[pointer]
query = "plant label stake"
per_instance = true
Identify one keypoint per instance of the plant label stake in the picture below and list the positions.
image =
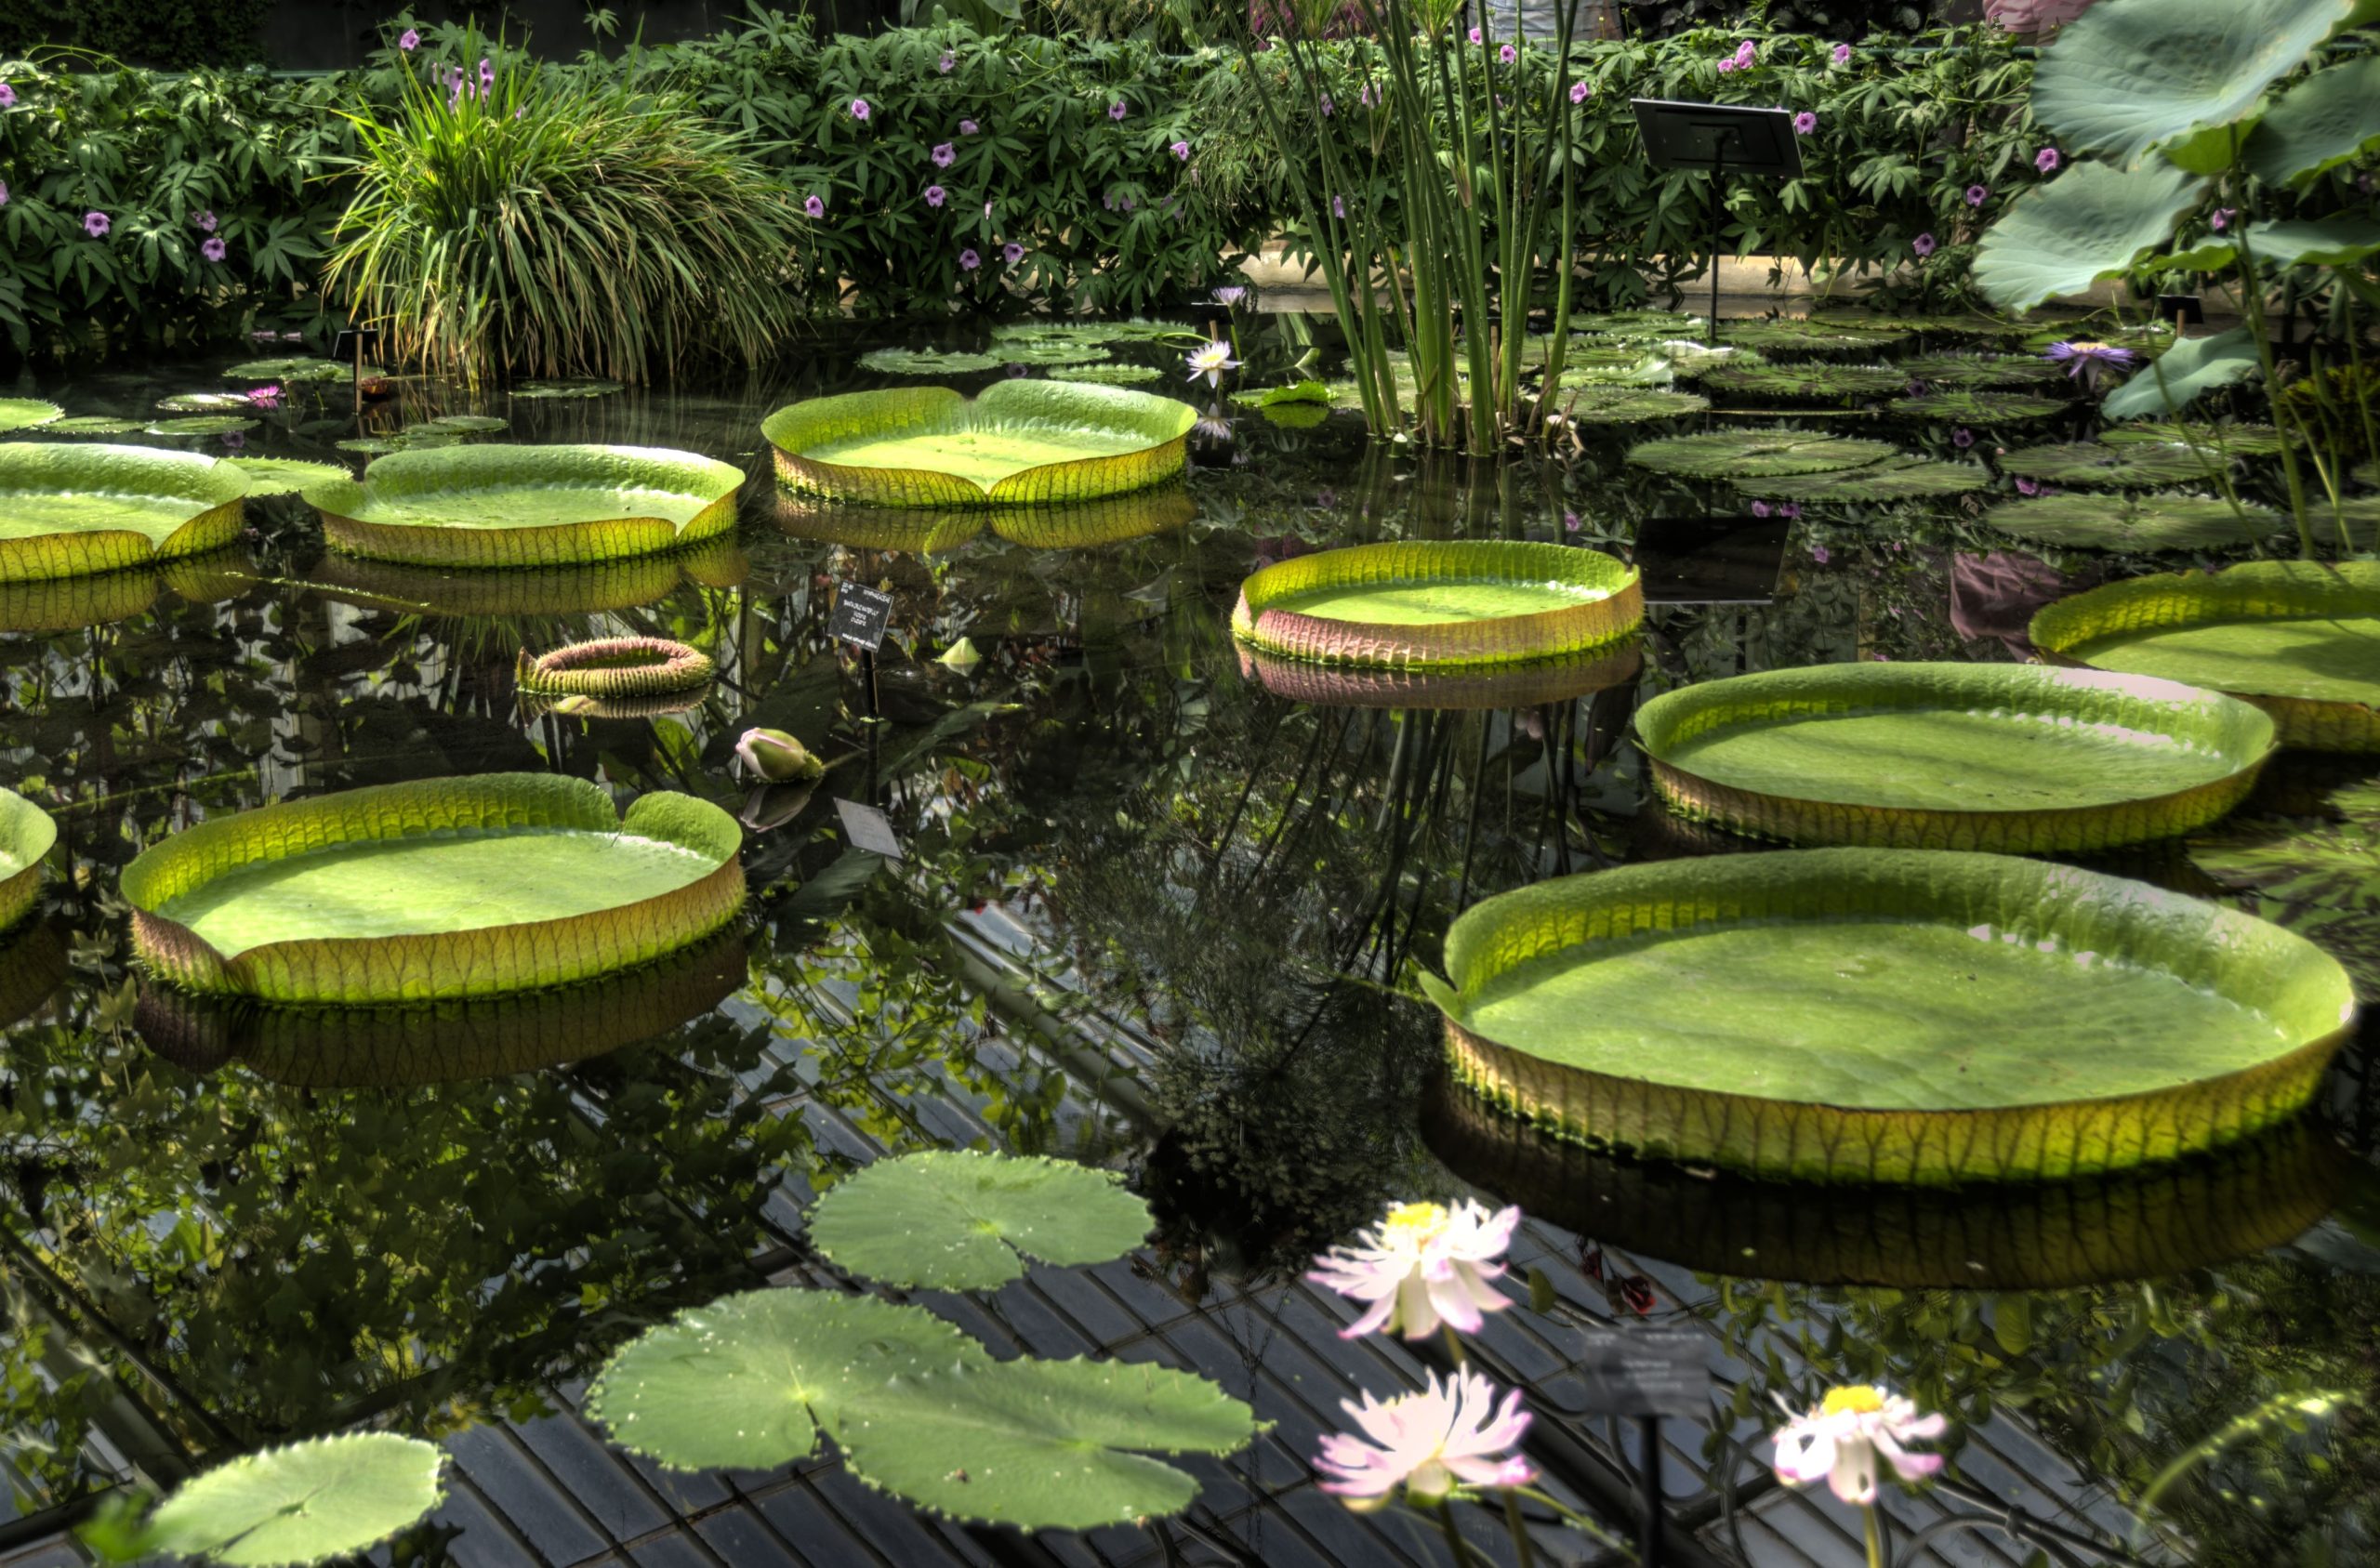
(860, 618)
(1725, 139)
(351, 345)
(1647, 1373)
(867, 828)
(2182, 309)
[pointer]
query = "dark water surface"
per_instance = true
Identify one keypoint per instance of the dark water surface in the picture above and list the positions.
(1150, 914)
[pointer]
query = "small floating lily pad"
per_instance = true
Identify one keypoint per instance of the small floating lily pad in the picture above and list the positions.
(2132, 522)
(283, 476)
(307, 1503)
(201, 403)
(616, 667)
(2011, 758)
(1979, 408)
(71, 508)
(2238, 440)
(297, 370)
(371, 446)
(1980, 370)
(468, 423)
(1628, 405)
(18, 413)
(202, 425)
(2143, 465)
(1801, 338)
(1887, 1015)
(1108, 375)
(1050, 351)
(927, 362)
(94, 425)
(1804, 380)
(1940, 326)
(1740, 455)
(563, 389)
(1635, 323)
(951, 1219)
(1895, 479)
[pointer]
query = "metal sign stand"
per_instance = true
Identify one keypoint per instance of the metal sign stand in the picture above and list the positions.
(1726, 138)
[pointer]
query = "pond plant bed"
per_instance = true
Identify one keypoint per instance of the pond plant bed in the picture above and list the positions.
(70, 510)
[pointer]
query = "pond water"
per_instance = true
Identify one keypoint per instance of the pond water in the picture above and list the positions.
(1149, 914)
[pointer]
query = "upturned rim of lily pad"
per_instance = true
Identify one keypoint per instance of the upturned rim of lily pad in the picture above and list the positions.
(586, 588)
(1152, 434)
(707, 486)
(1615, 612)
(432, 966)
(56, 604)
(27, 834)
(212, 493)
(1446, 691)
(2301, 989)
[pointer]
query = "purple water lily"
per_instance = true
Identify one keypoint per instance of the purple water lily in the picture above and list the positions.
(945, 154)
(1230, 295)
(2089, 362)
(1923, 245)
(815, 205)
(935, 195)
(1805, 123)
(96, 224)
(213, 250)
(968, 260)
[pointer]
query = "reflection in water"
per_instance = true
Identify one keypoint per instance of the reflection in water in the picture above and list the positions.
(934, 530)
(548, 590)
(1501, 686)
(55, 604)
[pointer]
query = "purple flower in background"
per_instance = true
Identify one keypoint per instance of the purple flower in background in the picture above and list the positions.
(1569, 523)
(1364, 98)
(1329, 108)
(1117, 111)
(2088, 362)
(1805, 123)
(947, 63)
(1727, 65)
(7, 96)
(1508, 53)
(1338, 206)
(945, 154)
(1978, 194)
(1579, 91)
(408, 40)
(2028, 487)
(1182, 150)
(1820, 554)
(970, 260)
(860, 110)
(213, 250)
(96, 224)
(2222, 219)
(487, 74)
(1842, 54)
(1923, 245)
(2046, 159)
(235, 440)
(966, 128)
(1474, 35)
(1963, 437)
(1745, 55)
(206, 222)
(1790, 510)
(1762, 508)
(1011, 253)
(815, 205)
(934, 195)
(4, 192)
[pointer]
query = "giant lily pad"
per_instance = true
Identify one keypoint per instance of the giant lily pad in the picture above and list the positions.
(1832, 382)
(296, 369)
(307, 1503)
(585, 589)
(2299, 639)
(27, 834)
(1108, 375)
(528, 506)
(71, 508)
(1021, 441)
(1886, 1016)
(93, 425)
(926, 362)
(1979, 370)
(1498, 686)
(1628, 405)
(2138, 465)
(1979, 408)
(1414, 605)
(1741, 455)
(1895, 479)
(17, 414)
(2015, 759)
(2233, 441)
(952, 1219)
(445, 888)
(2089, 223)
(1787, 335)
(44, 605)
(2127, 522)
(283, 476)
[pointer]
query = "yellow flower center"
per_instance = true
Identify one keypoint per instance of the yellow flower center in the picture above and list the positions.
(1414, 1224)
(1861, 1399)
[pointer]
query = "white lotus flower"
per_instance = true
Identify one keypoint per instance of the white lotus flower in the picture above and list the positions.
(1840, 1441)
(1211, 359)
(1446, 1437)
(1424, 1263)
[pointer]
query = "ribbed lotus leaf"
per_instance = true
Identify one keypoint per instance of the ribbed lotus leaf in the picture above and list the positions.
(1789, 337)
(1834, 383)
(953, 1219)
(2300, 640)
(1979, 370)
(1746, 454)
(27, 834)
(2149, 1222)
(296, 370)
(445, 1042)
(1977, 408)
(307, 1503)
(1628, 405)
(1895, 479)
(927, 362)
(1915, 1017)
(2006, 759)
(18, 413)
(71, 508)
(528, 506)
(2236, 440)
(1020, 442)
(433, 891)
(2133, 522)
(1414, 605)
(1498, 686)
(616, 667)
(2141, 465)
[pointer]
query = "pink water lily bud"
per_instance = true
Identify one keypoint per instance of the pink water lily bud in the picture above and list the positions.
(777, 757)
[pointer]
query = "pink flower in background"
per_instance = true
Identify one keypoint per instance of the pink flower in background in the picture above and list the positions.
(267, 396)
(2221, 218)
(1117, 111)
(968, 260)
(1805, 123)
(966, 128)
(1569, 523)
(7, 96)
(1432, 1443)
(814, 205)
(1923, 245)
(1011, 253)
(1820, 554)
(96, 224)
(947, 63)
(408, 40)
(1787, 510)
(934, 195)
(860, 110)
(213, 249)
(1978, 194)
(987, 211)
(2033, 16)
(1727, 65)
(1746, 53)
(4, 192)
(2028, 487)
(1474, 35)
(1508, 53)
(487, 74)
(1841, 1439)
(1579, 91)
(1424, 1264)
(206, 222)
(1180, 149)
(1338, 206)
(1842, 54)
(2046, 159)
(1762, 508)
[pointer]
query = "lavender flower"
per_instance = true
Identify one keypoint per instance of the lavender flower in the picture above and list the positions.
(1338, 206)
(860, 110)
(408, 40)
(1579, 91)
(1569, 523)
(814, 205)
(947, 63)
(2088, 362)
(1963, 437)
(1727, 65)
(1011, 253)
(1923, 245)
(1746, 53)
(1182, 150)
(2222, 218)
(213, 250)
(1762, 508)
(1432, 1443)
(1117, 111)
(934, 195)
(1842, 54)
(96, 224)
(945, 154)
(4, 192)
(968, 260)
(1474, 35)
(206, 222)
(1978, 194)
(1230, 295)
(1820, 554)
(2046, 159)
(7, 96)
(1787, 510)
(1805, 123)
(487, 74)
(2028, 487)
(1329, 108)
(966, 128)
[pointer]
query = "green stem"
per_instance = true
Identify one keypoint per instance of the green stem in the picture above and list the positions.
(1522, 1547)
(1454, 1345)
(1454, 1536)
(1875, 1536)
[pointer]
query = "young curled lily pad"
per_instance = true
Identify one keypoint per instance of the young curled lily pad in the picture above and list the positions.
(18, 413)
(202, 425)
(1895, 479)
(1628, 405)
(955, 1221)
(1979, 408)
(307, 1503)
(2144, 466)
(614, 668)
(2126, 523)
(926, 362)
(1731, 455)
(1838, 382)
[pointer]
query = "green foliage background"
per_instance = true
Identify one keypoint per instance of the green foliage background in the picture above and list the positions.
(168, 34)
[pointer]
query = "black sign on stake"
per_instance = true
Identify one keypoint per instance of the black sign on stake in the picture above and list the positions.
(1647, 1373)
(861, 617)
(866, 828)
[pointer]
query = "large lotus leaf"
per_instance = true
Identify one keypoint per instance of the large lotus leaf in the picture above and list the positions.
(2322, 121)
(27, 834)
(2236, 440)
(17, 414)
(927, 362)
(1887, 1015)
(283, 476)
(2123, 522)
(1042, 1444)
(2141, 465)
(433, 889)
(957, 1220)
(2091, 222)
(2340, 239)
(528, 506)
(1022, 443)
(1895, 479)
(2131, 74)
(1979, 370)
(1837, 382)
(1741, 455)
(748, 1382)
(69, 508)
(2190, 367)
(1628, 405)
(1979, 408)
(307, 1503)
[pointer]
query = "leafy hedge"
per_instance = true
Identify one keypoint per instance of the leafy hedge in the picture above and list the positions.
(1104, 210)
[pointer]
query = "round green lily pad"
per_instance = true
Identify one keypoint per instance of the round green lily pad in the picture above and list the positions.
(2012, 758)
(1635, 323)
(439, 888)
(282, 476)
(93, 425)
(202, 425)
(563, 389)
(1412, 605)
(1628, 405)
(1895, 479)
(2238, 440)
(17, 414)
(371, 446)
(296, 370)
(1887, 1015)
(202, 403)
(1023, 442)
(68, 508)
(927, 362)
(528, 506)
(307, 1503)
(2140, 466)
(1740, 455)
(1786, 335)
(2297, 638)
(1979, 370)
(468, 423)
(952, 1219)
(1977, 408)
(2132, 522)
(1815, 381)
(1108, 375)
(1050, 351)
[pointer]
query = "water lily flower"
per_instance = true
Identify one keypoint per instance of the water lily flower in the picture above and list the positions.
(1923, 245)
(1579, 91)
(1230, 295)
(96, 224)
(1180, 149)
(777, 757)
(947, 63)
(2089, 362)
(860, 110)
(1842, 54)
(1432, 1443)
(2221, 218)
(1211, 359)
(968, 260)
(1963, 437)
(1421, 1264)
(409, 40)
(1840, 1441)
(966, 128)
(934, 195)
(814, 205)
(1117, 111)
(1805, 123)
(1978, 194)
(269, 395)
(1508, 53)
(2045, 160)
(945, 154)
(214, 250)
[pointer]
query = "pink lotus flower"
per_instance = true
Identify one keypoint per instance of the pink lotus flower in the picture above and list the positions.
(214, 250)
(968, 260)
(96, 224)
(1805, 123)
(1180, 149)
(777, 757)
(1842, 54)
(934, 195)
(267, 396)
(408, 40)
(1432, 1443)
(814, 205)
(1117, 111)
(1840, 1441)
(860, 110)
(1579, 91)
(966, 128)
(1923, 245)
(1978, 194)
(1424, 1263)
(944, 154)
(2046, 159)
(947, 63)
(1011, 253)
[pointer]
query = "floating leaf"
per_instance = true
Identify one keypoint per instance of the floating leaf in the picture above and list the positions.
(565, 389)
(2328, 119)
(283, 476)
(2141, 465)
(2089, 223)
(199, 403)
(926, 362)
(2239, 441)
(1979, 370)
(69, 509)
(1294, 415)
(468, 423)
(1733, 454)
(303, 1503)
(1628, 405)
(1977, 408)
(18, 413)
(1801, 337)
(1050, 351)
(2123, 522)
(1308, 390)
(297, 370)
(372, 446)
(202, 425)
(93, 425)
(1108, 375)
(1635, 323)
(1895, 479)
(955, 1221)
(1947, 326)
(1838, 382)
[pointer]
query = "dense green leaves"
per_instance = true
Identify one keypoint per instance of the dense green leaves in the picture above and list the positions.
(955, 1221)
(2091, 222)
